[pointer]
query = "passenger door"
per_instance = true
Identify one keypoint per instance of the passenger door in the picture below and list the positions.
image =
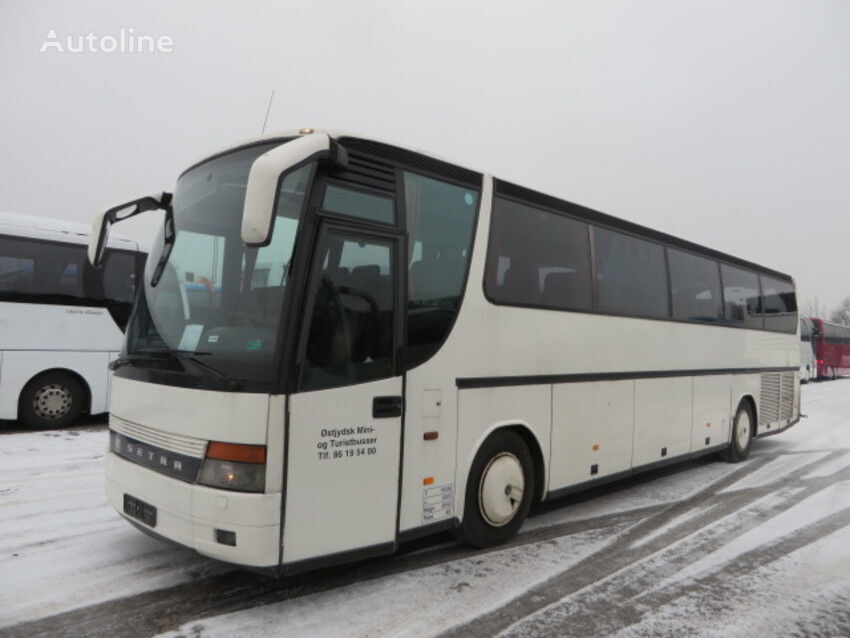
(344, 427)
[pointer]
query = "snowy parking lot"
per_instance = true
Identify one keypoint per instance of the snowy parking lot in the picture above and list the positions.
(699, 548)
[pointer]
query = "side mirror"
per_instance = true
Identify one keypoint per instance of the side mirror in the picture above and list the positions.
(265, 176)
(100, 225)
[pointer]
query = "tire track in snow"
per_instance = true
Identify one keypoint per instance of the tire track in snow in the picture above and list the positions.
(628, 553)
(606, 609)
(164, 609)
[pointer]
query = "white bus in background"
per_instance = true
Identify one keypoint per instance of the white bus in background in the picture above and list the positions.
(808, 365)
(61, 321)
(386, 345)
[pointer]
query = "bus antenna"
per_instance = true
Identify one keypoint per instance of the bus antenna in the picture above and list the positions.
(268, 110)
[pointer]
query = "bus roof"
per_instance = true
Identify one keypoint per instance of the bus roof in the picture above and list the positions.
(49, 228)
(416, 158)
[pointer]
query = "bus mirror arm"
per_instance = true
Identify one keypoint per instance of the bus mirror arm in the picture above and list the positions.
(266, 176)
(100, 225)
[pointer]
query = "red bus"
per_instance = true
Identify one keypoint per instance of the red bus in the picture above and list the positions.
(832, 348)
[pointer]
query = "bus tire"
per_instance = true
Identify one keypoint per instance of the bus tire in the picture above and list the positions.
(499, 490)
(51, 400)
(743, 431)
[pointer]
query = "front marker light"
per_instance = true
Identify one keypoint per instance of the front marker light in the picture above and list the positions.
(233, 466)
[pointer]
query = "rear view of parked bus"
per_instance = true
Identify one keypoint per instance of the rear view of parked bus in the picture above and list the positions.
(832, 349)
(385, 345)
(61, 321)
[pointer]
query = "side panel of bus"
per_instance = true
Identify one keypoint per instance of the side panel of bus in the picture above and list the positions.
(41, 337)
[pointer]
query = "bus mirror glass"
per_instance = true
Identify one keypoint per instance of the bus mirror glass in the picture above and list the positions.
(266, 174)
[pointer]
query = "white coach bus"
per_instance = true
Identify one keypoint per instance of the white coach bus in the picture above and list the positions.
(397, 345)
(61, 321)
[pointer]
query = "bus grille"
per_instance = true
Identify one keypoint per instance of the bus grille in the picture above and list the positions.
(771, 383)
(187, 445)
(786, 405)
(776, 402)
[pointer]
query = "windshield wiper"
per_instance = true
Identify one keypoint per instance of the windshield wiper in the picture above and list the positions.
(130, 359)
(230, 382)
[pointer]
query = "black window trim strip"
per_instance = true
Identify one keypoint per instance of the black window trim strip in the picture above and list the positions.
(467, 383)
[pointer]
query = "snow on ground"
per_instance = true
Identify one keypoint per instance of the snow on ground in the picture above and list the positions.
(420, 602)
(782, 466)
(666, 489)
(805, 593)
(61, 546)
(708, 549)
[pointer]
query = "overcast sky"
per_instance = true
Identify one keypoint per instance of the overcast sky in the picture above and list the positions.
(726, 123)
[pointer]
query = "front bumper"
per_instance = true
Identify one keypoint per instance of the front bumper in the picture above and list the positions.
(188, 514)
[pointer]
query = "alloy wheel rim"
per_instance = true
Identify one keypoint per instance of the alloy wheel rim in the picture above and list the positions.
(52, 401)
(500, 489)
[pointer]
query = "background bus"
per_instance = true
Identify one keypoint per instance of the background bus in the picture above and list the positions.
(391, 345)
(832, 348)
(808, 365)
(61, 321)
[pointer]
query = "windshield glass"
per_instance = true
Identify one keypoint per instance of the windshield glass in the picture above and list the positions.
(218, 301)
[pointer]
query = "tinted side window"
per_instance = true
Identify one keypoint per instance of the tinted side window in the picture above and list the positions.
(119, 284)
(119, 276)
(16, 273)
(836, 334)
(350, 338)
(538, 258)
(695, 287)
(42, 272)
(631, 275)
(440, 217)
(779, 305)
(357, 203)
(741, 297)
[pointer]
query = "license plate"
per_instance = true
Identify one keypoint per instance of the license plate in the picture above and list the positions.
(141, 511)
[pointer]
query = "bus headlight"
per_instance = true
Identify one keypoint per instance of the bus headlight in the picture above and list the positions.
(232, 466)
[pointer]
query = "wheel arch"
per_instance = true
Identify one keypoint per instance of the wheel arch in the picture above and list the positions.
(529, 437)
(84, 384)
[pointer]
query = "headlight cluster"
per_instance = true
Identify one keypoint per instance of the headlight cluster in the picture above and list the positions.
(232, 466)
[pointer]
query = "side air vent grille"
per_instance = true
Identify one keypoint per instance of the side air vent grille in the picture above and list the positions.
(187, 445)
(411, 159)
(367, 172)
(786, 405)
(769, 400)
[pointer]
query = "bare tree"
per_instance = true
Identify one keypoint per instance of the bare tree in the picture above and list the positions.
(814, 308)
(842, 313)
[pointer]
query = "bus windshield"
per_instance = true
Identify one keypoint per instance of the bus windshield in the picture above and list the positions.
(217, 301)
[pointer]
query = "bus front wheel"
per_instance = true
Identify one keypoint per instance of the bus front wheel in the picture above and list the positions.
(52, 400)
(499, 490)
(743, 429)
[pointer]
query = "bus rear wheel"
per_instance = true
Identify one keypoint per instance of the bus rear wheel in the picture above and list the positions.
(52, 400)
(743, 430)
(499, 491)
